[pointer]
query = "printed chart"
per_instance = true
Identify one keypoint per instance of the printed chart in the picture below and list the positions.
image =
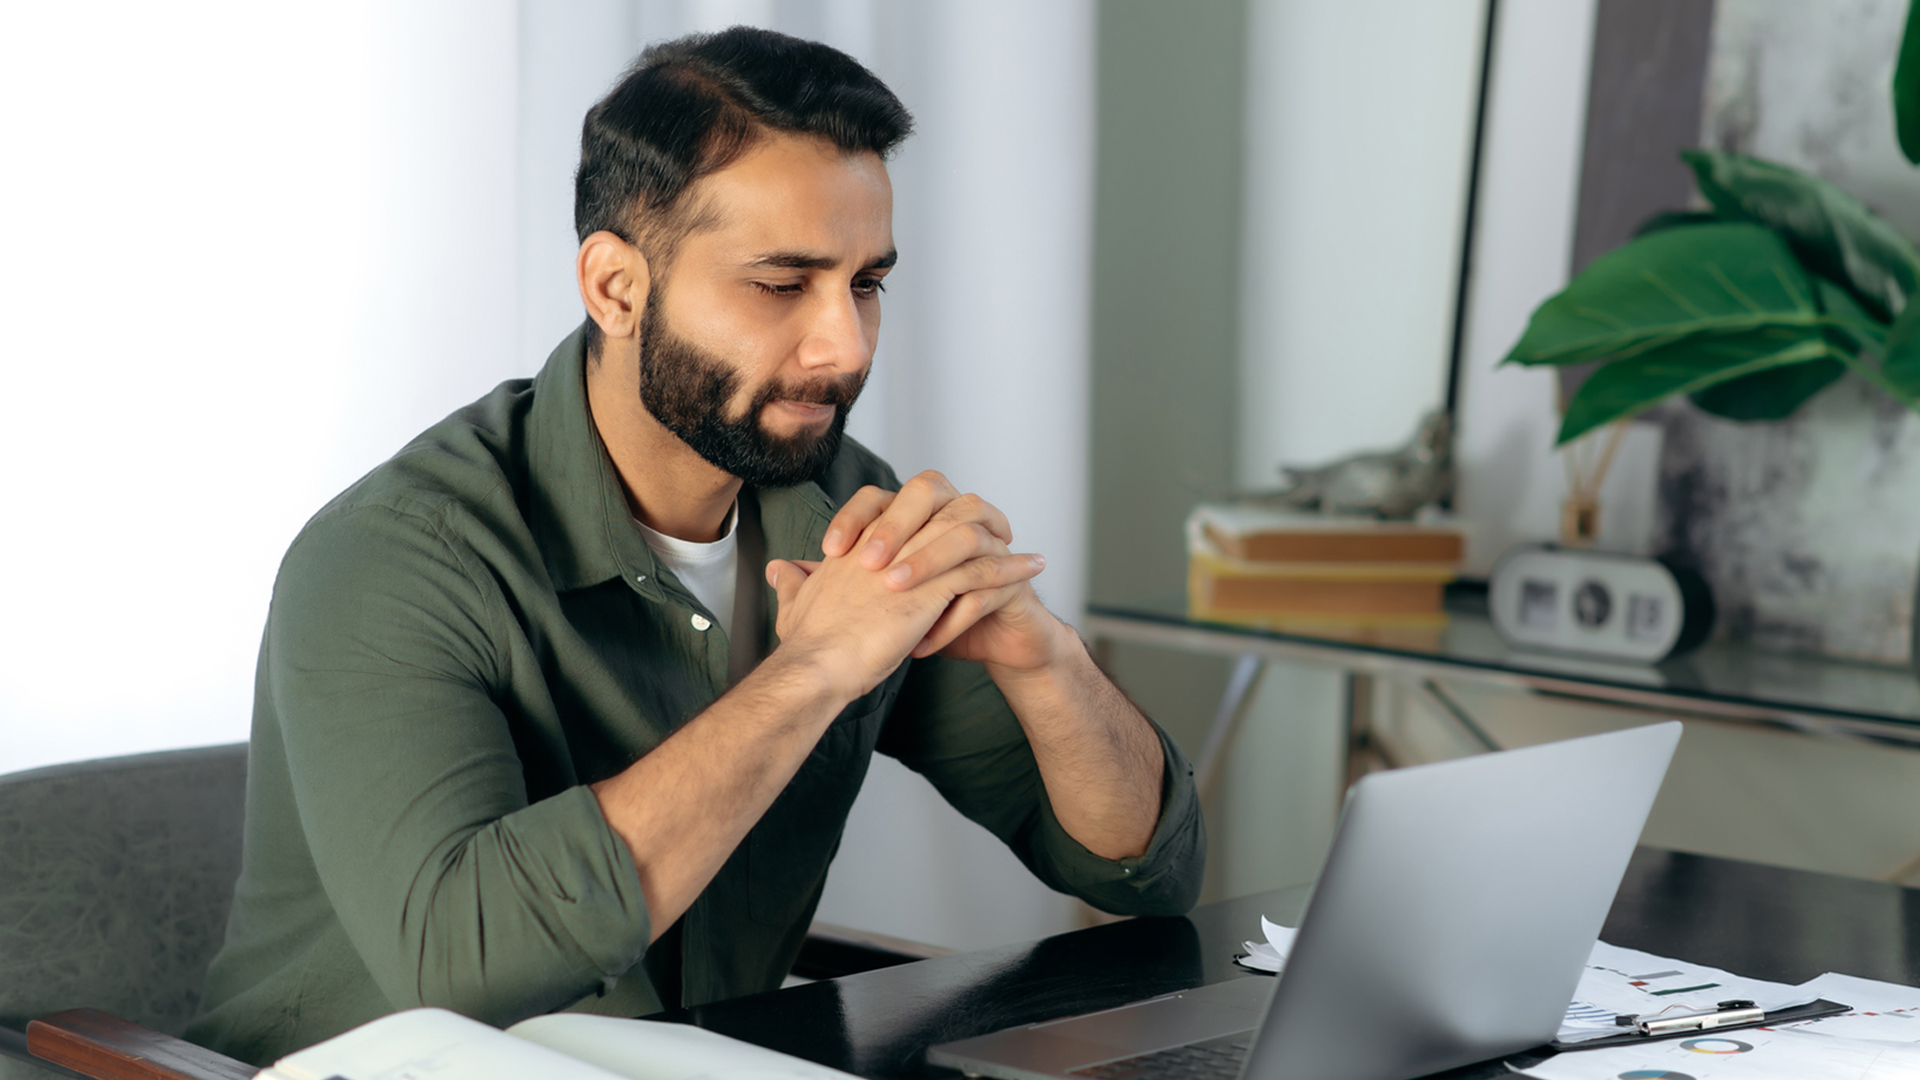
(1884, 1011)
(1757, 1054)
(1621, 981)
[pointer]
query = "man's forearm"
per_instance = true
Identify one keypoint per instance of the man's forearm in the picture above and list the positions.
(1100, 759)
(685, 806)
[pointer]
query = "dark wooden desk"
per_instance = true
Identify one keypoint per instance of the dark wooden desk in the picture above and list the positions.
(1754, 920)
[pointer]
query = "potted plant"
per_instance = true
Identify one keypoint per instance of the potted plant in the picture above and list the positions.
(1749, 308)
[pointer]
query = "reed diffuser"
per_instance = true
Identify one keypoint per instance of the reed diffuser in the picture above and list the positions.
(1587, 461)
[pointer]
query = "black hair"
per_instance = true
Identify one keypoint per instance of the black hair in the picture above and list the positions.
(691, 106)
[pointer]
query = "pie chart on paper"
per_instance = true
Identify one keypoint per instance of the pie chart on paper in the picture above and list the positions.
(1716, 1046)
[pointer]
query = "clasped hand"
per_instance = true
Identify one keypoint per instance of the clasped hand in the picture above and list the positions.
(925, 570)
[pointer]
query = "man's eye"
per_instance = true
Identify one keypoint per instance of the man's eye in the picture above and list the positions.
(869, 286)
(778, 288)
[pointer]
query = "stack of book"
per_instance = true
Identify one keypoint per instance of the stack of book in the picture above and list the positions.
(1337, 576)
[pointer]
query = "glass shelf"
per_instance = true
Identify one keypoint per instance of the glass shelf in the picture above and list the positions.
(1720, 679)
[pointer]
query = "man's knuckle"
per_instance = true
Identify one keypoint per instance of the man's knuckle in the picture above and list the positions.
(934, 482)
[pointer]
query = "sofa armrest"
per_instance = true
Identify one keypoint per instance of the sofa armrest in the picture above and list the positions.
(105, 1047)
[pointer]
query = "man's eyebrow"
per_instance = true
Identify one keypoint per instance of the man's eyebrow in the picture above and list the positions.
(803, 260)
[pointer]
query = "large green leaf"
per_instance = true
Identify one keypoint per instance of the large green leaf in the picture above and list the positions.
(1906, 89)
(1777, 393)
(1671, 285)
(1845, 312)
(1896, 347)
(1900, 362)
(1832, 232)
(1773, 394)
(1627, 387)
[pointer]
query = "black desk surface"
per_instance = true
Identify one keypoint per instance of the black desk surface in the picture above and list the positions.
(1758, 921)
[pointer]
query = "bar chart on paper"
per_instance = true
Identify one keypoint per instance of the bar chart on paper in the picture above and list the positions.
(1664, 983)
(1621, 982)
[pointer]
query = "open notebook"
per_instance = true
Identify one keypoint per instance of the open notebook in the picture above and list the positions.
(563, 1046)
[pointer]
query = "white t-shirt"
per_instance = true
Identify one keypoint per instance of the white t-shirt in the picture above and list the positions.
(707, 570)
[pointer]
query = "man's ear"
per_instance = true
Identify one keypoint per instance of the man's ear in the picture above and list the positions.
(614, 280)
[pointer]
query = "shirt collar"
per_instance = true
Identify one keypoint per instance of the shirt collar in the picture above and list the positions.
(578, 511)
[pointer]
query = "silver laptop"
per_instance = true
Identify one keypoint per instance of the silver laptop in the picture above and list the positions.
(1449, 925)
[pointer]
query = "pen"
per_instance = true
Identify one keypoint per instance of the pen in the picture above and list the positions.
(1729, 1012)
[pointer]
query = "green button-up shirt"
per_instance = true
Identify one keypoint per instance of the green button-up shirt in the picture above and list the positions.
(465, 639)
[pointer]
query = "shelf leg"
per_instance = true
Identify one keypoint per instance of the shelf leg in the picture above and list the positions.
(1226, 723)
(1360, 742)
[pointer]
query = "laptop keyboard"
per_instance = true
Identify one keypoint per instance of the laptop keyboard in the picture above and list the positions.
(1215, 1059)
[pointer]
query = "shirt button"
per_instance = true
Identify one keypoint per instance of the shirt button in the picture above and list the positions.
(700, 622)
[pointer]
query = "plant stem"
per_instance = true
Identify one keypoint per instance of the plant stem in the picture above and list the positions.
(1614, 438)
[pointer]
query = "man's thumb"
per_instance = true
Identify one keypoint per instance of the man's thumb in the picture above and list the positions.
(786, 579)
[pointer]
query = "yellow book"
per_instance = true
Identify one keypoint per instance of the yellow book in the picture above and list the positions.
(1312, 596)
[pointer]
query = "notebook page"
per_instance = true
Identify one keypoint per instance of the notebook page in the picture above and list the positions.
(654, 1050)
(433, 1043)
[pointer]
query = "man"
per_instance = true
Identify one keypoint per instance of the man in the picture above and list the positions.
(531, 733)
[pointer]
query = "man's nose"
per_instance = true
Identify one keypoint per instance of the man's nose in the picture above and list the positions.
(836, 337)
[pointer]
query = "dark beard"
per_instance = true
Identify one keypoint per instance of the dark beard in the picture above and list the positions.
(687, 390)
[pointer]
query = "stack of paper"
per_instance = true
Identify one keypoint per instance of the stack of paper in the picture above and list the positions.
(1627, 981)
(1878, 1040)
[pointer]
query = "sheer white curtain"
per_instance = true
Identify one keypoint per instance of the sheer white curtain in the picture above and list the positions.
(247, 251)
(982, 366)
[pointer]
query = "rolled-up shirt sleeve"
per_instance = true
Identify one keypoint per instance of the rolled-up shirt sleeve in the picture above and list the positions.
(952, 725)
(455, 889)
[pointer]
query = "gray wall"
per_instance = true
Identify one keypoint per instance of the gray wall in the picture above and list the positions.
(1165, 288)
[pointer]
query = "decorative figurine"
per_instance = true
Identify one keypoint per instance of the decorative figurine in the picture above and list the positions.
(1391, 485)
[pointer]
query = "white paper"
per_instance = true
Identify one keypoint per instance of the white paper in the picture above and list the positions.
(1880, 1010)
(1620, 981)
(1627, 981)
(1748, 1054)
(654, 1050)
(1879, 1039)
(434, 1044)
(1271, 954)
(421, 1043)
